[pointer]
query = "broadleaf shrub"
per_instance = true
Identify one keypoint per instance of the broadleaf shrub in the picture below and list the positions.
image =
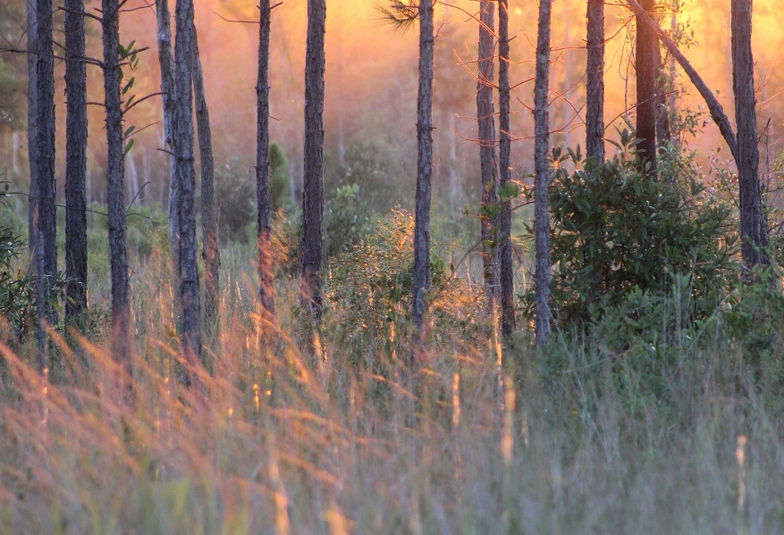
(618, 229)
(19, 291)
(370, 290)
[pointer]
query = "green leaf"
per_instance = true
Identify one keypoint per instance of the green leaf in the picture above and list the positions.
(129, 85)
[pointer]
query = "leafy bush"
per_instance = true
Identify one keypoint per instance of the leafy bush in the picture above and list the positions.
(347, 220)
(366, 166)
(617, 229)
(370, 290)
(19, 291)
(235, 194)
(280, 193)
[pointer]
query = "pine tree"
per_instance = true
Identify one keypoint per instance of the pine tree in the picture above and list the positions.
(209, 215)
(313, 190)
(753, 229)
(45, 146)
(263, 190)
(542, 170)
(112, 73)
(505, 217)
(645, 68)
(485, 113)
(185, 174)
(76, 160)
(424, 169)
(594, 109)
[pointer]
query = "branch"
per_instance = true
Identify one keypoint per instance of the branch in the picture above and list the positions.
(234, 21)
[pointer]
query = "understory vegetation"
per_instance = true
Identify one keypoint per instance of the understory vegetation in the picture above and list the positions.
(656, 407)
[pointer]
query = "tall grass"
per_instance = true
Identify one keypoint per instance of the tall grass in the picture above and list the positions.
(279, 440)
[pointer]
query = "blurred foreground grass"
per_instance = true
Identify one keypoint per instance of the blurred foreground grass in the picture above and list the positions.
(284, 440)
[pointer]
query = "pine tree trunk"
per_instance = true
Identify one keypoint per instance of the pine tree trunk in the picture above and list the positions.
(663, 134)
(47, 209)
(753, 230)
(542, 170)
(487, 154)
(424, 171)
(645, 68)
(121, 316)
(313, 187)
(166, 63)
(32, 129)
(594, 113)
(209, 219)
(505, 217)
(266, 275)
(76, 161)
(185, 174)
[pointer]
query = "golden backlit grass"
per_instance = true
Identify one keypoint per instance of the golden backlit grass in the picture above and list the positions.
(278, 441)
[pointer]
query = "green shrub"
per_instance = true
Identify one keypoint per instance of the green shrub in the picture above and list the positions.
(347, 220)
(235, 195)
(370, 290)
(617, 229)
(19, 290)
(367, 167)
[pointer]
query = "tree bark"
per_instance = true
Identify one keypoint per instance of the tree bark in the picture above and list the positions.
(47, 210)
(753, 229)
(663, 133)
(424, 172)
(76, 161)
(714, 107)
(166, 63)
(263, 194)
(209, 219)
(185, 174)
(487, 154)
(121, 314)
(505, 168)
(542, 170)
(313, 186)
(594, 114)
(32, 129)
(645, 67)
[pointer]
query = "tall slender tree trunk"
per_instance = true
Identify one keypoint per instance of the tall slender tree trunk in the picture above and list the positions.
(753, 229)
(542, 169)
(47, 209)
(313, 187)
(594, 114)
(645, 67)
(505, 168)
(166, 63)
(263, 196)
(209, 219)
(485, 112)
(663, 134)
(76, 161)
(112, 73)
(424, 171)
(32, 129)
(185, 175)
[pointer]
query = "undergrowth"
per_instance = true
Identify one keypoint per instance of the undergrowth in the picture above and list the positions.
(589, 436)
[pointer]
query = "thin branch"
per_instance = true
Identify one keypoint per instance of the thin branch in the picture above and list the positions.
(134, 103)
